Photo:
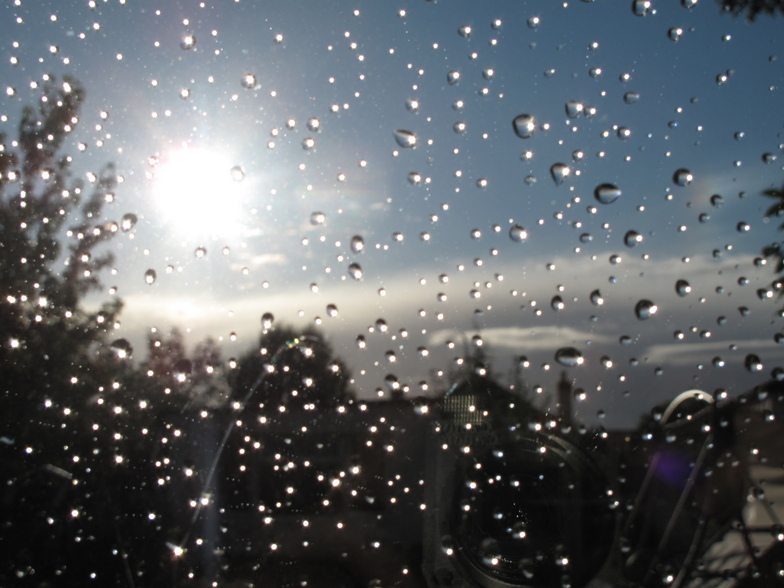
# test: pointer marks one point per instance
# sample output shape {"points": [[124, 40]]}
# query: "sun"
{"points": [[199, 193]]}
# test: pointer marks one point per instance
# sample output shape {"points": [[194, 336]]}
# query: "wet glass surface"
{"points": [[370, 294]]}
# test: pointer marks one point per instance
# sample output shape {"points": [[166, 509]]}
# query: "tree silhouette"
{"points": [[50, 259], [53, 357], [752, 8], [775, 251], [300, 368]]}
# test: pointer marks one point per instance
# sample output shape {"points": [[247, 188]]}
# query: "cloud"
{"points": [[525, 339], [699, 352]]}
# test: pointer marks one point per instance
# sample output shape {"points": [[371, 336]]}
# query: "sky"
{"points": [[257, 140]]}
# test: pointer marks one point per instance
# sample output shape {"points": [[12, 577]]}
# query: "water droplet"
{"points": [[314, 124], [682, 177], [361, 343], [357, 244], [332, 310], [743, 227], [557, 303], [632, 238], [200, 252], [683, 288], [768, 158], [187, 42], [631, 97], [559, 172], [150, 276], [596, 298], [392, 382], [237, 173], [405, 139], [267, 319], [248, 81], [464, 31], [533, 22], [717, 201], [753, 363], [412, 105], [641, 7], [607, 193], [453, 77], [529, 180], [128, 221], [518, 234], [488, 73], [624, 133], [645, 309], [569, 357], [688, 3], [122, 348], [355, 271], [318, 218], [524, 125], [459, 127], [574, 108], [675, 33]]}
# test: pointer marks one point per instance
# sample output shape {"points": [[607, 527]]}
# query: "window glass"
{"points": [[391, 294]]}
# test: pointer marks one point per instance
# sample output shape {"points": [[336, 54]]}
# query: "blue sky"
{"points": [[352, 66]]}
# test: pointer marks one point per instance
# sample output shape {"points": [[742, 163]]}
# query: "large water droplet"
{"points": [[631, 97], [122, 348], [559, 172], [267, 320], [596, 298], [128, 221], [607, 193], [314, 124], [645, 309], [248, 81], [557, 303], [405, 139], [574, 108], [641, 7], [150, 276], [237, 173], [518, 234], [683, 288], [524, 125], [569, 356], [187, 42], [682, 177], [632, 238], [357, 244], [753, 363], [355, 271]]}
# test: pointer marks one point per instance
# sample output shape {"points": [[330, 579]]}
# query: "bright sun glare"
{"points": [[199, 193]]}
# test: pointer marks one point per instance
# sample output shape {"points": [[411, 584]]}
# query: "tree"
{"points": [[51, 257], [752, 8], [775, 250], [300, 369], [53, 357]]}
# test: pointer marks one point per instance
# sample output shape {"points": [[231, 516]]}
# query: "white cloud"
{"points": [[525, 339]]}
